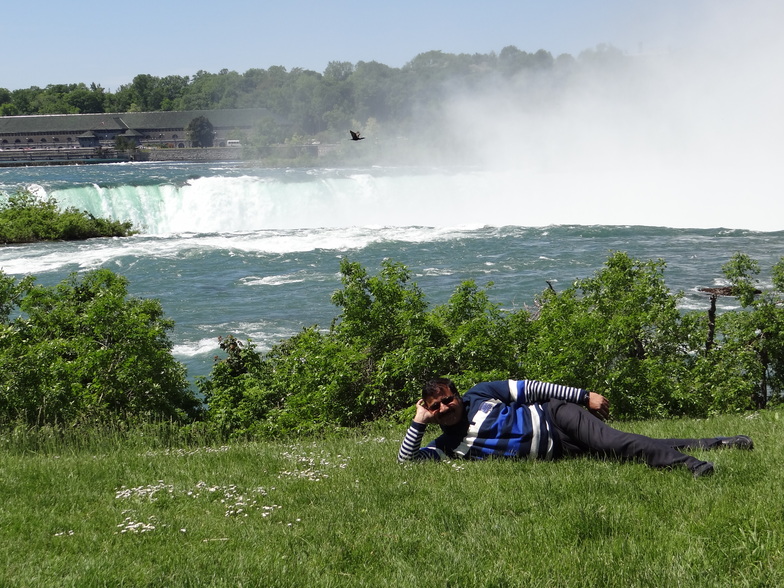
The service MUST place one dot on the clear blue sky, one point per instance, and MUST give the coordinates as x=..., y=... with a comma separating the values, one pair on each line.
x=51, y=41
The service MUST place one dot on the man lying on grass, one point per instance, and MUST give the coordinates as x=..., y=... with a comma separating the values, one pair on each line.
x=526, y=418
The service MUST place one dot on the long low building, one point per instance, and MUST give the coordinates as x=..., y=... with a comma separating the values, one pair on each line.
x=164, y=129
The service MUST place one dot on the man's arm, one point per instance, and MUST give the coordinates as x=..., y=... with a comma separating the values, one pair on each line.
x=541, y=391
x=411, y=449
x=532, y=391
x=535, y=391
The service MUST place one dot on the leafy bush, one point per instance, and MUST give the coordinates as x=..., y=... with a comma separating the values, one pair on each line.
x=619, y=333
x=84, y=351
x=371, y=363
x=26, y=219
x=751, y=350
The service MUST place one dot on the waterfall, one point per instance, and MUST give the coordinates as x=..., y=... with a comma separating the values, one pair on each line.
x=176, y=199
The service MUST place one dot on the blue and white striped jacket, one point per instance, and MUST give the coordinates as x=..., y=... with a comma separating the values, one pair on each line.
x=506, y=418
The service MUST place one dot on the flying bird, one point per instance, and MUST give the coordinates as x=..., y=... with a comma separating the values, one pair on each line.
x=355, y=136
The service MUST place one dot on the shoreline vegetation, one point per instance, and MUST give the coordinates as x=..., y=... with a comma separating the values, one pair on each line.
x=24, y=218
x=83, y=353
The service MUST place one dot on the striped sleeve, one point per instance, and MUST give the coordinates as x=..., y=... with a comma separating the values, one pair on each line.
x=410, y=448
x=535, y=391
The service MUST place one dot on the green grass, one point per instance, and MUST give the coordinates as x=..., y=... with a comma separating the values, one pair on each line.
x=126, y=511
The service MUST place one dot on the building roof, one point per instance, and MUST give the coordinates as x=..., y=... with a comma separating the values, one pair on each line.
x=79, y=123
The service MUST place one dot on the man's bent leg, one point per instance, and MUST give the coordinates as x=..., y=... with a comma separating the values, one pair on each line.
x=582, y=432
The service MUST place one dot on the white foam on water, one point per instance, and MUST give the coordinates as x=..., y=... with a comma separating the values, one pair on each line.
x=272, y=280
x=95, y=253
x=434, y=271
x=190, y=349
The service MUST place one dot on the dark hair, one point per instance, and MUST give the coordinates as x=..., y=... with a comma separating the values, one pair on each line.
x=438, y=386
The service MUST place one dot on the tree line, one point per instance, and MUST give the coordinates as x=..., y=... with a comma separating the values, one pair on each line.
x=318, y=105
x=83, y=351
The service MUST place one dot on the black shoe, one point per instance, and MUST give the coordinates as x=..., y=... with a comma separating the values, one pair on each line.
x=704, y=468
x=737, y=442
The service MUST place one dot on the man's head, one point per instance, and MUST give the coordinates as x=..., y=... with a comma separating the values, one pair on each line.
x=443, y=402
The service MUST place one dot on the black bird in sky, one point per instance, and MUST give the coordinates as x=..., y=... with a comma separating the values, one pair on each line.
x=355, y=136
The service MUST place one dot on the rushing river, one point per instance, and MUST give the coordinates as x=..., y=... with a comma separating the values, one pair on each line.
x=254, y=252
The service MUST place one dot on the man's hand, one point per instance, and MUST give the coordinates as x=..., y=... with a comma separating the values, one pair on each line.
x=423, y=415
x=598, y=405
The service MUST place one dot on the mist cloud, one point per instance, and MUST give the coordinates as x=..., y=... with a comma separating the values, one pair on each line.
x=687, y=137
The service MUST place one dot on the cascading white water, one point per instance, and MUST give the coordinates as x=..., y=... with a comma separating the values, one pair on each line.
x=377, y=198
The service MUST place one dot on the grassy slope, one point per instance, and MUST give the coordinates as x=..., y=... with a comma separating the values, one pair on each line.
x=343, y=513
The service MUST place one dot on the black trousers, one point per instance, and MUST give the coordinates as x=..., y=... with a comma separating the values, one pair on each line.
x=580, y=432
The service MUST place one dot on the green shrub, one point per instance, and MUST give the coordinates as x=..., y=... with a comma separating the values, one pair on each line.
x=26, y=219
x=372, y=361
x=750, y=353
x=619, y=333
x=84, y=351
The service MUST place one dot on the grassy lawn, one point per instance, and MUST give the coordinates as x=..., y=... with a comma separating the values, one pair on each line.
x=342, y=512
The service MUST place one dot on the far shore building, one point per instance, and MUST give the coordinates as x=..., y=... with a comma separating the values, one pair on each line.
x=145, y=129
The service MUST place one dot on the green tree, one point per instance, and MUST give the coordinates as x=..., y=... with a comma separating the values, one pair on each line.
x=24, y=98
x=208, y=90
x=750, y=349
x=122, y=143
x=86, y=100
x=616, y=333
x=144, y=97
x=52, y=100
x=376, y=92
x=200, y=132
x=84, y=351
x=171, y=89
x=372, y=362
x=479, y=341
x=9, y=109
x=338, y=71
